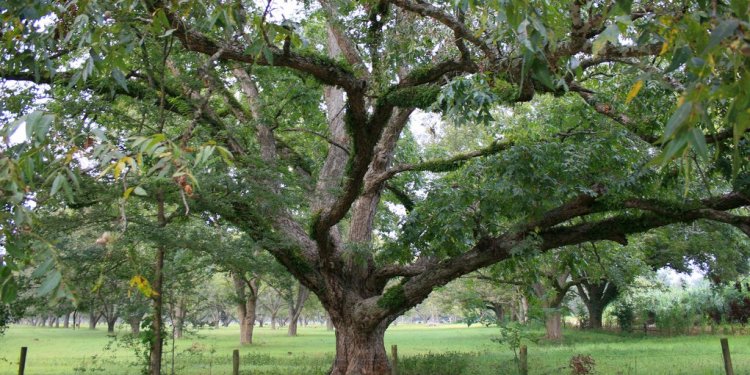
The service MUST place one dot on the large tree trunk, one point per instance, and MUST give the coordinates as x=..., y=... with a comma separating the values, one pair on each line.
x=499, y=311
x=246, y=307
x=595, y=315
x=247, y=324
x=111, y=325
x=179, y=314
x=135, y=324
x=360, y=352
x=93, y=318
x=553, y=325
x=597, y=296
x=66, y=320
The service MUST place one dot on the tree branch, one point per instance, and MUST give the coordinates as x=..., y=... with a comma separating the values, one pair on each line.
x=459, y=29
x=439, y=165
x=325, y=70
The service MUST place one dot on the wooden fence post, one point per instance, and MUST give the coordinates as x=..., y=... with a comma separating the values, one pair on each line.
x=236, y=362
x=727, y=357
x=523, y=366
x=394, y=354
x=22, y=362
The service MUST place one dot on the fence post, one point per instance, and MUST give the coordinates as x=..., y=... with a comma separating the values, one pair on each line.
x=394, y=354
x=727, y=357
x=523, y=366
x=236, y=362
x=22, y=362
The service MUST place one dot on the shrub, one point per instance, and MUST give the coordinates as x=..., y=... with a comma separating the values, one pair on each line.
x=625, y=315
x=582, y=365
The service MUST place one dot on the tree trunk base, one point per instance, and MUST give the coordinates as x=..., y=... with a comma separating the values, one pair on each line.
x=360, y=353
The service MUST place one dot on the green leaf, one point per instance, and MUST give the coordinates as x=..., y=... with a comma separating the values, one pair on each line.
x=9, y=291
x=543, y=75
x=268, y=55
x=721, y=32
x=681, y=55
x=56, y=184
x=140, y=191
x=678, y=118
x=43, y=268
x=610, y=34
x=31, y=120
x=673, y=148
x=120, y=78
x=50, y=283
x=625, y=5
x=43, y=126
x=698, y=141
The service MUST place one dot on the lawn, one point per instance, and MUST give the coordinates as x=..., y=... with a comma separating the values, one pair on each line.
x=449, y=349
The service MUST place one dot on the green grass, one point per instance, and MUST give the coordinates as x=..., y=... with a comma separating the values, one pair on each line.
x=422, y=350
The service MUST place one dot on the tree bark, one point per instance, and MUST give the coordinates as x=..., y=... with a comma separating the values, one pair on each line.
x=360, y=352
x=246, y=306
x=499, y=311
x=597, y=296
x=552, y=297
x=93, y=318
x=157, y=339
x=157, y=325
x=553, y=325
x=111, y=325
x=135, y=324
x=329, y=323
x=523, y=309
x=295, y=309
x=66, y=320
x=179, y=314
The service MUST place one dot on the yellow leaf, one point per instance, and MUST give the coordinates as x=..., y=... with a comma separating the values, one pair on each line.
x=118, y=168
x=127, y=192
x=634, y=91
x=664, y=48
x=69, y=155
x=143, y=285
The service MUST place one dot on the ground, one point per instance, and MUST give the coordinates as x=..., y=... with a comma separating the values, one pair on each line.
x=449, y=349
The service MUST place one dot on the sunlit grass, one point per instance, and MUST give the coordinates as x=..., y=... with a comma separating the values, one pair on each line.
x=208, y=351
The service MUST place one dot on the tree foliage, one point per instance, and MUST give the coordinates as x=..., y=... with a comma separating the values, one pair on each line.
x=599, y=120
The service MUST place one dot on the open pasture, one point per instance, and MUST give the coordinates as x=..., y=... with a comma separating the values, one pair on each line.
x=448, y=349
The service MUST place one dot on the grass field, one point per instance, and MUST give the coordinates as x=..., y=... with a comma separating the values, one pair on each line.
x=450, y=349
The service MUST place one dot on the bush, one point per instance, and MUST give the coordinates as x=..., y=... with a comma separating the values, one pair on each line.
x=625, y=315
x=582, y=365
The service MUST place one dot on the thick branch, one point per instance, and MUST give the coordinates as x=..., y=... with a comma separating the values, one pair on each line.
x=491, y=250
x=325, y=70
